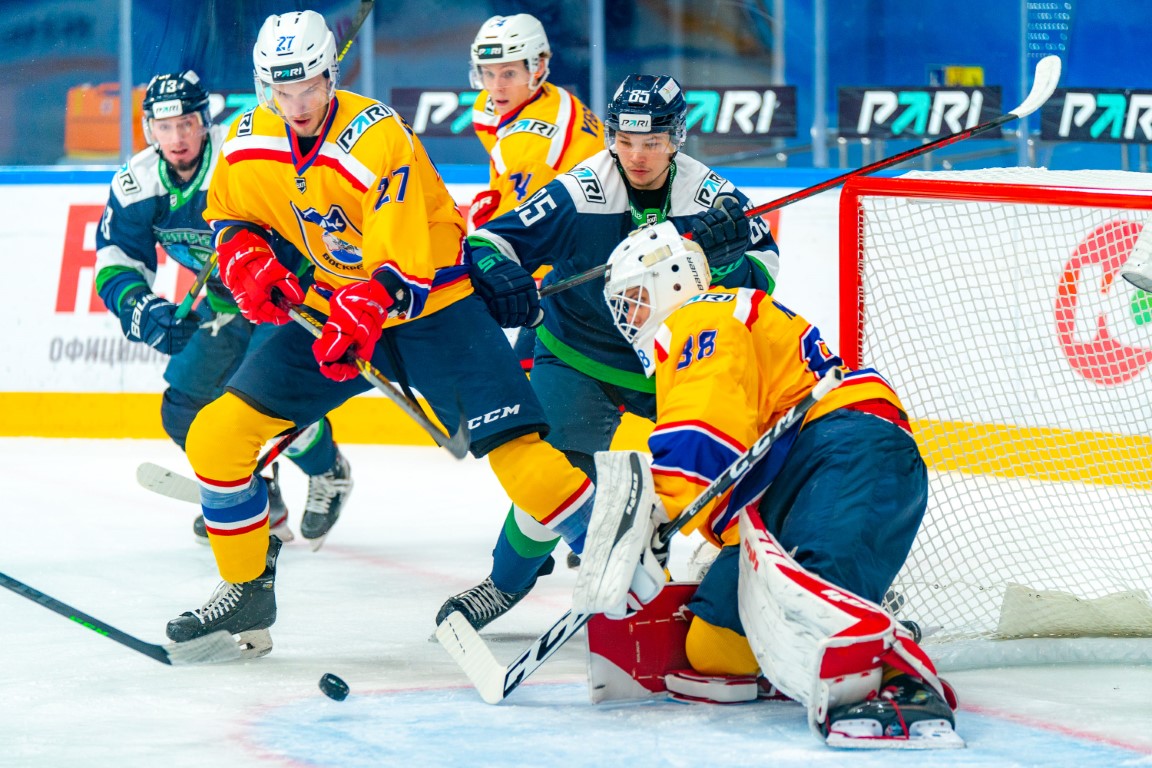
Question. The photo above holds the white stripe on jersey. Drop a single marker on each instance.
(563, 118)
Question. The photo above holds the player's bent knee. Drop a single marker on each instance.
(226, 436)
(715, 650)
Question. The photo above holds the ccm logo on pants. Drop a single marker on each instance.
(496, 415)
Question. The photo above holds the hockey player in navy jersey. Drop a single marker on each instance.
(158, 198)
(584, 373)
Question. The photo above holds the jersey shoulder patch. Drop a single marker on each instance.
(696, 186)
(595, 185)
(364, 119)
(139, 178)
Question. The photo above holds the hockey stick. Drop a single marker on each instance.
(197, 284)
(457, 444)
(361, 17)
(1044, 82)
(174, 485)
(210, 649)
(495, 681)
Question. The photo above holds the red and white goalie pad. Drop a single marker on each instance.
(628, 659)
(818, 643)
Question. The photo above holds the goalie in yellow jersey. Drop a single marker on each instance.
(345, 179)
(811, 536)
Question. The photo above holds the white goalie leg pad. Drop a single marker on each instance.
(1138, 268)
(619, 535)
(817, 643)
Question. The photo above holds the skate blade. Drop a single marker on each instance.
(283, 532)
(317, 542)
(865, 734)
(210, 649)
(254, 643)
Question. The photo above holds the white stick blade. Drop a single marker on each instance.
(1043, 84)
(471, 653)
(210, 649)
(167, 483)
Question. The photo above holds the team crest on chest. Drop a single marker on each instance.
(301, 184)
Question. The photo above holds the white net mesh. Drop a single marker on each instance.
(995, 310)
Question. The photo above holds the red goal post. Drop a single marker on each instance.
(991, 301)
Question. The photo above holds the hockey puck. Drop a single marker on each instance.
(333, 687)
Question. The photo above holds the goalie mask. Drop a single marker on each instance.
(173, 95)
(507, 39)
(647, 104)
(650, 274)
(290, 48)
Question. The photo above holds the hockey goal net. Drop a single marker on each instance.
(991, 301)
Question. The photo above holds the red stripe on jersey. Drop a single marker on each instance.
(574, 499)
(260, 153)
(682, 475)
(422, 283)
(508, 117)
(754, 312)
(331, 162)
(567, 133)
(674, 426)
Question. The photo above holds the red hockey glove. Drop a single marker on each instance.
(262, 287)
(357, 314)
(483, 206)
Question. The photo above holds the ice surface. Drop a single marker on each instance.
(419, 527)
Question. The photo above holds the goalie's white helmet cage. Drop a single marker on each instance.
(657, 269)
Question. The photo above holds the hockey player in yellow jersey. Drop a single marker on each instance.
(822, 521)
(346, 181)
(531, 129)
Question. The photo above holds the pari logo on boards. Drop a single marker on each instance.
(1091, 337)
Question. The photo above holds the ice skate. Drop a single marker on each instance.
(907, 713)
(326, 496)
(245, 610)
(485, 602)
(277, 512)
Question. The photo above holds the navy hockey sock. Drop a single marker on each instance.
(513, 571)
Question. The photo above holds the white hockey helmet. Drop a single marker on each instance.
(504, 39)
(293, 47)
(650, 274)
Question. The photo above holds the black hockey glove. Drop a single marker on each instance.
(507, 289)
(147, 318)
(723, 232)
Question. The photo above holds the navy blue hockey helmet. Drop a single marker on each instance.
(647, 104)
(174, 94)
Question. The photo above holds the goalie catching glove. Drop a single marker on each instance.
(622, 566)
(262, 287)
